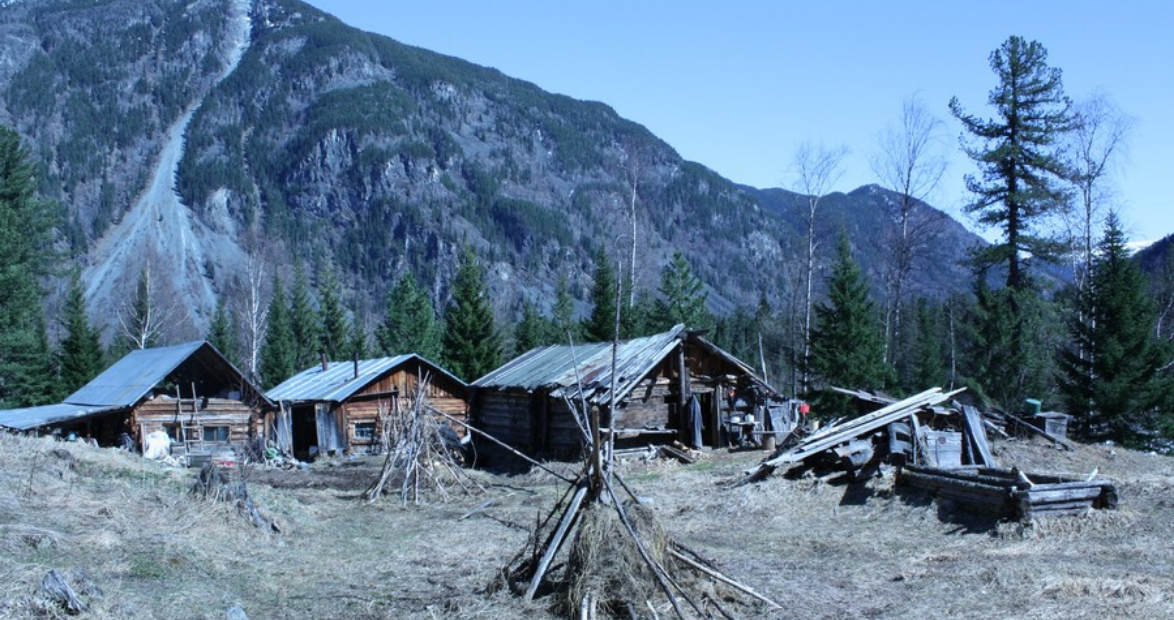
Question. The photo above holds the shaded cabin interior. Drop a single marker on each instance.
(346, 406)
(674, 386)
(191, 391)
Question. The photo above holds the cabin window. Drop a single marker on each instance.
(364, 430)
(216, 434)
(173, 433)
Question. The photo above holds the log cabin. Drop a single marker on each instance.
(189, 390)
(674, 386)
(341, 406)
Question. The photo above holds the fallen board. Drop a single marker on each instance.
(1004, 493)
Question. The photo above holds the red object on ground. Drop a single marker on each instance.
(804, 408)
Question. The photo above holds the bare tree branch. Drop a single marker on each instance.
(909, 160)
(816, 168)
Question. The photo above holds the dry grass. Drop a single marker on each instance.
(825, 550)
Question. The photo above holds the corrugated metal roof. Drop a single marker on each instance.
(559, 367)
(339, 381)
(32, 417)
(132, 377)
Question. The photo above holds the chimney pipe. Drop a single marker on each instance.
(325, 364)
(356, 358)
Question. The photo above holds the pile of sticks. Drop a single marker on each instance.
(421, 457)
(629, 548)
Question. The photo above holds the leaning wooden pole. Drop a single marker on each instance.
(504, 445)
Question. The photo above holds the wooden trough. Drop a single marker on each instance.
(1010, 493)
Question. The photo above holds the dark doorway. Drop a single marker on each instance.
(305, 432)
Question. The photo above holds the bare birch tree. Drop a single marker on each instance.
(635, 160)
(909, 161)
(1099, 136)
(253, 310)
(145, 318)
(816, 168)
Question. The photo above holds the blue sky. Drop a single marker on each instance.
(738, 85)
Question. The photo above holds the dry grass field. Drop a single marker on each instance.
(138, 545)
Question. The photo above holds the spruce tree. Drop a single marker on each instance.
(1112, 378)
(565, 325)
(278, 354)
(358, 345)
(332, 323)
(303, 321)
(847, 343)
(80, 352)
(410, 324)
(471, 343)
(222, 335)
(1017, 154)
(600, 324)
(926, 364)
(682, 297)
(534, 330)
(26, 236)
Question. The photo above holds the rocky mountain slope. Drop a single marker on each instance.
(310, 140)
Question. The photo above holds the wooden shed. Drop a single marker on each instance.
(189, 390)
(671, 386)
(337, 406)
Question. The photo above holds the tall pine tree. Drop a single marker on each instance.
(222, 334)
(303, 321)
(410, 324)
(472, 344)
(358, 344)
(534, 330)
(278, 354)
(79, 356)
(847, 342)
(1112, 378)
(26, 236)
(1017, 154)
(332, 323)
(565, 325)
(600, 324)
(682, 297)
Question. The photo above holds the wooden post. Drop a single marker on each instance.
(682, 396)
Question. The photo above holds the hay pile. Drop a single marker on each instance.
(604, 564)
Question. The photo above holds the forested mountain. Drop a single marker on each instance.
(296, 138)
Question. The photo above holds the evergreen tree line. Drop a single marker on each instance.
(1096, 348)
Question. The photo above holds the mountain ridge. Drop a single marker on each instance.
(328, 145)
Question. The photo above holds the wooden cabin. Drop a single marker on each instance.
(190, 390)
(671, 386)
(341, 406)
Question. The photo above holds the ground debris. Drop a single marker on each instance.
(66, 589)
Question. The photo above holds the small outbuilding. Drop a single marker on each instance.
(336, 406)
(190, 391)
(673, 386)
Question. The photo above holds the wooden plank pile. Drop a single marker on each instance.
(844, 439)
(1010, 493)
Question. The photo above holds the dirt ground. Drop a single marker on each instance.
(130, 530)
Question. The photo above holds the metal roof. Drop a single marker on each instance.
(32, 417)
(563, 368)
(339, 380)
(122, 385)
(132, 377)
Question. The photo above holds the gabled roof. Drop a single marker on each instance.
(32, 417)
(126, 383)
(563, 368)
(339, 380)
(133, 376)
